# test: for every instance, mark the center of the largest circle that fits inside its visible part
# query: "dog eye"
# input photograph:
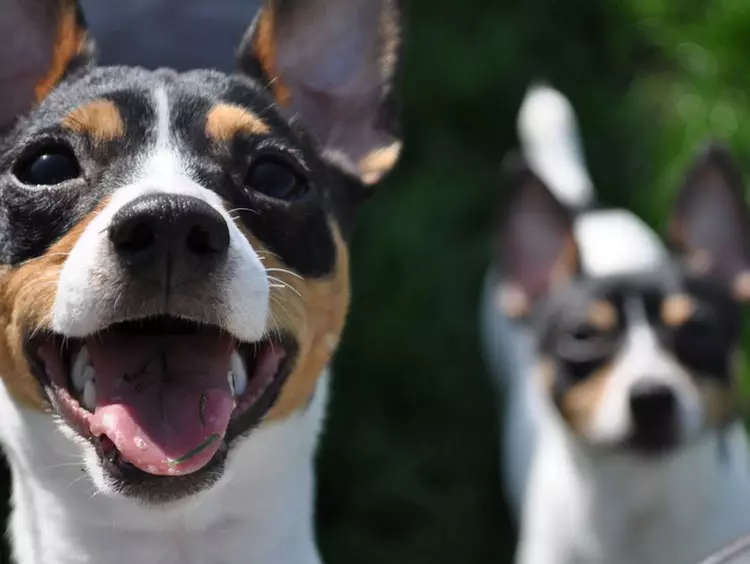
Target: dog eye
(584, 344)
(276, 179)
(584, 333)
(48, 166)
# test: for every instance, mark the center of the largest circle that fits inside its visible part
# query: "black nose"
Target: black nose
(653, 405)
(167, 233)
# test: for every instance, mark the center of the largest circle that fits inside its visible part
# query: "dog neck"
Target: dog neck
(260, 512)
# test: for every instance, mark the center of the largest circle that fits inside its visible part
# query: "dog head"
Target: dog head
(174, 246)
(637, 348)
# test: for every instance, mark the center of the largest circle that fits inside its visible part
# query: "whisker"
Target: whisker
(277, 282)
(285, 271)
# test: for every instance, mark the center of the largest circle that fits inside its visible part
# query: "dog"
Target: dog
(618, 357)
(175, 279)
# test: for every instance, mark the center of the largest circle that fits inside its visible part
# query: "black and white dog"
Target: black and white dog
(619, 358)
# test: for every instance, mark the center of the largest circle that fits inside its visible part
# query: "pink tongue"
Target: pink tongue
(164, 401)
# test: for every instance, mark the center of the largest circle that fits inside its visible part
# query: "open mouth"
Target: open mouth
(164, 396)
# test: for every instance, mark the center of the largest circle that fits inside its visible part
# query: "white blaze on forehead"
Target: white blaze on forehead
(614, 242)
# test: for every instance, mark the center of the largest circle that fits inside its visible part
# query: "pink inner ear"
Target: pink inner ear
(537, 244)
(336, 60)
(711, 224)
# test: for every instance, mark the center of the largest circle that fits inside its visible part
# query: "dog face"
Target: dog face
(641, 353)
(174, 246)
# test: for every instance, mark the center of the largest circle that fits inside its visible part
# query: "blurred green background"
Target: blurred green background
(409, 466)
(409, 462)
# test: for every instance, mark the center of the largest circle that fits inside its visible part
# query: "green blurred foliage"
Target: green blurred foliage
(409, 465)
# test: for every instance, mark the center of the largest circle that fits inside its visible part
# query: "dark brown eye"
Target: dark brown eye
(48, 166)
(584, 344)
(276, 179)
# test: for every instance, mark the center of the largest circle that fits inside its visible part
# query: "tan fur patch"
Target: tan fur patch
(100, 120)
(264, 47)
(567, 263)
(602, 315)
(375, 164)
(69, 42)
(314, 311)
(27, 295)
(225, 121)
(721, 402)
(581, 400)
(676, 310)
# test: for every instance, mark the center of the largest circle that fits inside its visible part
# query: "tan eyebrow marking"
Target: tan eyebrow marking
(224, 121)
(100, 120)
(602, 315)
(677, 309)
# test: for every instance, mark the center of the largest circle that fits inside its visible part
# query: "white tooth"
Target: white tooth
(86, 376)
(238, 374)
(89, 396)
(82, 370)
(230, 379)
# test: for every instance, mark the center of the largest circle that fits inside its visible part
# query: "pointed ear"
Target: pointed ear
(40, 42)
(538, 248)
(331, 65)
(710, 224)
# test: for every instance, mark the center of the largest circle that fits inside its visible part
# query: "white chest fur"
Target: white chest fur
(260, 512)
(583, 510)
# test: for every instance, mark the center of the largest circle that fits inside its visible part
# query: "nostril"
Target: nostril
(199, 241)
(132, 237)
(208, 234)
(141, 237)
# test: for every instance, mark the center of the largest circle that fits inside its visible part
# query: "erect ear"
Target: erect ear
(331, 65)
(710, 223)
(40, 41)
(538, 252)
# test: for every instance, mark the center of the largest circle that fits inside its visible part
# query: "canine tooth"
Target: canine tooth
(89, 396)
(230, 379)
(237, 374)
(82, 370)
(84, 378)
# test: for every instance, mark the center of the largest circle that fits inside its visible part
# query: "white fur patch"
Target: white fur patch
(549, 135)
(613, 242)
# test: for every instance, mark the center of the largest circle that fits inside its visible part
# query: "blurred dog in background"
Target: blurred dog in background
(618, 357)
